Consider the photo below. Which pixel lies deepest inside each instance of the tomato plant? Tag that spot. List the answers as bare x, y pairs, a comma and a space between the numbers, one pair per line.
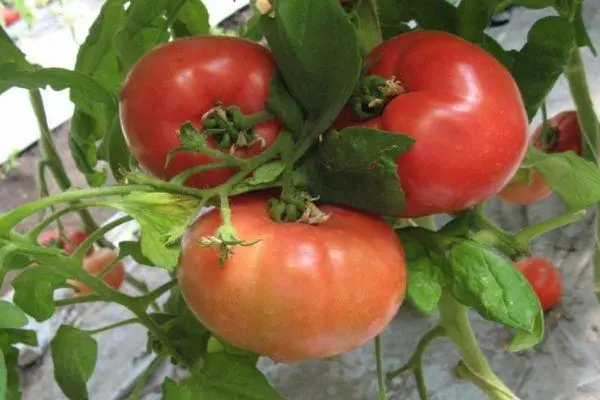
291, 179
447, 100
297, 288
185, 81
544, 278
96, 263
562, 133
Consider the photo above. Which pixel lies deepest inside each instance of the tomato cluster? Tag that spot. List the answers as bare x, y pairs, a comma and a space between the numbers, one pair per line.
313, 290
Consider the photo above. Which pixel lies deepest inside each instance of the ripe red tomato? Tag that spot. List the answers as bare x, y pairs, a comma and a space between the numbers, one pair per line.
73, 237
10, 16
465, 112
180, 82
564, 136
302, 291
544, 279
95, 263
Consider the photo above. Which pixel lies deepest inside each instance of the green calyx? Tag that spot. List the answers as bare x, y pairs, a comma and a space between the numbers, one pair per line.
230, 128
372, 94
298, 208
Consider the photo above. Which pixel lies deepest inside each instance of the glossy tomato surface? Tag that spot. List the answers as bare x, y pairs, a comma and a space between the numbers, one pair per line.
564, 136
465, 112
301, 292
95, 263
544, 279
181, 82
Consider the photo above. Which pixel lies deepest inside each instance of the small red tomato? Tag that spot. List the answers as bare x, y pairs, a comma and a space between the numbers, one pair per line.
95, 263
72, 238
564, 135
543, 278
10, 16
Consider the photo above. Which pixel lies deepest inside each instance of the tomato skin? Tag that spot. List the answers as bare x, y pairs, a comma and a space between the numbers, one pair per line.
301, 292
465, 111
568, 138
10, 16
73, 238
568, 131
183, 80
544, 279
95, 263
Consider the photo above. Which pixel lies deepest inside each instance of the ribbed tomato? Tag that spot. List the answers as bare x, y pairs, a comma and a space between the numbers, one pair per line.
463, 108
302, 291
181, 82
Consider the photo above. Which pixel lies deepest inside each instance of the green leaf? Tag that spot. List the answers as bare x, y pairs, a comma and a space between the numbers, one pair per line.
575, 180
431, 14
10, 52
3, 376
534, 4
117, 150
266, 173
10, 380
90, 123
474, 16
11, 74
14, 336
163, 219
487, 282
134, 249
34, 290
542, 60
226, 377
11, 316
145, 27
320, 74
425, 262
582, 36
506, 57
392, 18
283, 105
356, 167
74, 354
525, 340
191, 18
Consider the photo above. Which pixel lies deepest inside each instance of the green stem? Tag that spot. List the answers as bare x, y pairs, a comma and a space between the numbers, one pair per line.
463, 372
113, 326
12, 218
455, 320
92, 238
369, 32
417, 357
586, 114
51, 156
91, 298
141, 384
180, 178
380, 374
156, 293
590, 129
527, 234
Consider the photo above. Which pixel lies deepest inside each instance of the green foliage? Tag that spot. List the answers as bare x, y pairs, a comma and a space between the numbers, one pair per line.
575, 180
73, 368
320, 74
542, 60
11, 316
163, 219
357, 167
34, 290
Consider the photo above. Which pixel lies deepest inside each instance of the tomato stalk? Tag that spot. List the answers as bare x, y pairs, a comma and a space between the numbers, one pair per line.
526, 235
590, 129
380, 374
51, 157
113, 326
415, 364
94, 236
454, 319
